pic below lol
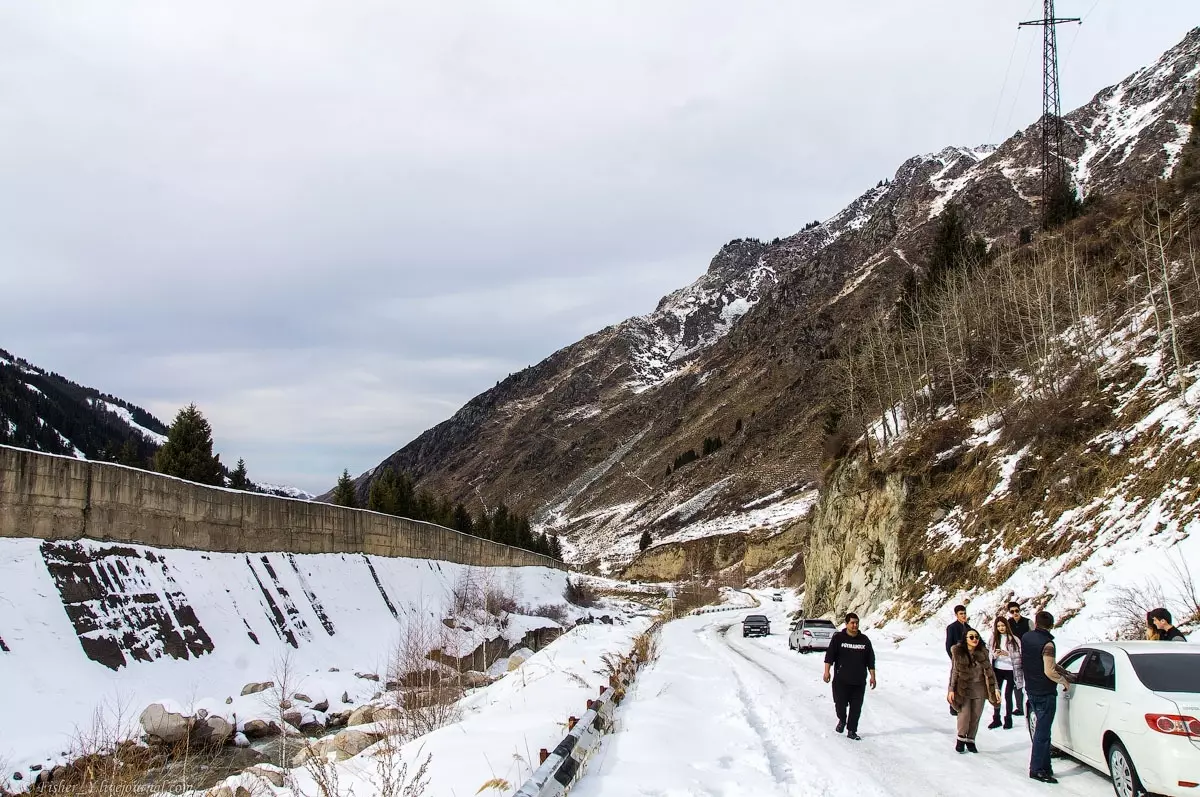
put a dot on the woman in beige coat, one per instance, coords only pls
(972, 681)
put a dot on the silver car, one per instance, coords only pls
(811, 634)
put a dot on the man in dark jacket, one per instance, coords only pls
(1043, 676)
(956, 632)
(1018, 626)
(853, 658)
(1162, 621)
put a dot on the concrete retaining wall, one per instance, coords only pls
(55, 498)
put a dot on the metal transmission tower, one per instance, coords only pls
(1054, 175)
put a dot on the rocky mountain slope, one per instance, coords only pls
(748, 357)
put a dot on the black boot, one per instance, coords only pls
(960, 746)
(1008, 722)
(971, 748)
(995, 723)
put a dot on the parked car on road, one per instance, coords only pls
(778, 596)
(811, 634)
(1133, 712)
(756, 625)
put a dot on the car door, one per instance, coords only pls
(1091, 699)
(1060, 734)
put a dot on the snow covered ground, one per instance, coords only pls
(342, 610)
(722, 716)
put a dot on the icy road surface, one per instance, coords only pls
(723, 716)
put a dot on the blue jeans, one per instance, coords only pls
(1042, 707)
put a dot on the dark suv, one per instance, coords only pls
(756, 625)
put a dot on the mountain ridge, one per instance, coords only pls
(584, 438)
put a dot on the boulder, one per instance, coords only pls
(211, 731)
(338, 719)
(473, 679)
(346, 697)
(322, 706)
(255, 688)
(293, 718)
(274, 776)
(342, 745)
(311, 727)
(164, 726)
(515, 661)
(370, 676)
(259, 729)
(363, 715)
(303, 698)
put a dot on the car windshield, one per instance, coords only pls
(756, 618)
(1168, 672)
(819, 624)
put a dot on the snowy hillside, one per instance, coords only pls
(89, 626)
(47, 412)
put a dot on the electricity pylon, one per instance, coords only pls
(1054, 171)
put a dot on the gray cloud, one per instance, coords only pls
(330, 225)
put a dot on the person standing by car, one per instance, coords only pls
(853, 658)
(1042, 678)
(954, 634)
(972, 680)
(1006, 661)
(1018, 626)
(1161, 618)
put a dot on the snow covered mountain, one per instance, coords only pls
(47, 412)
(44, 411)
(740, 367)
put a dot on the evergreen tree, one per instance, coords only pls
(644, 543)
(187, 454)
(483, 526)
(130, 456)
(343, 493)
(543, 544)
(462, 520)
(384, 494)
(1062, 205)
(238, 480)
(502, 530)
(555, 548)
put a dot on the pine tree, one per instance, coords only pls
(384, 493)
(187, 454)
(129, 455)
(238, 480)
(462, 520)
(555, 548)
(644, 543)
(543, 544)
(343, 493)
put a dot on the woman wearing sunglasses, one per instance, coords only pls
(972, 681)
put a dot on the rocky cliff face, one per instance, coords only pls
(588, 440)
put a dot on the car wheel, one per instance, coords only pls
(1124, 776)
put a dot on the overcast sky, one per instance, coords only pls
(330, 224)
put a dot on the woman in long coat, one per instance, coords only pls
(972, 681)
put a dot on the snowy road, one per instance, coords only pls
(723, 716)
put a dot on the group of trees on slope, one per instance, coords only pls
(394, 493)
(1040, 310)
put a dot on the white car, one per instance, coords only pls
(813, 634)
(1134, 712)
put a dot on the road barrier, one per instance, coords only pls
(562, 767)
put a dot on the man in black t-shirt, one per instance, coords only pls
(1162, 621)
(853, 659)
